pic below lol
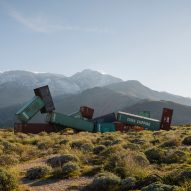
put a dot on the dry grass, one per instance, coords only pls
(120, 153)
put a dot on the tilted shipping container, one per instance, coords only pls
(67, 121)
(44, 93)
(105, 127)
(131, 119)
(108, 118)
(30, 109)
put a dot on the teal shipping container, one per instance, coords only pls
(145, 114)
(105, 127)
(30, 109)
(68, 121)
(76, 114)
(131, 119)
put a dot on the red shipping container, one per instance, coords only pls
(86, 112)
(119, 126)
(166, 119)
(34, 128)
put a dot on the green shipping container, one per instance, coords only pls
(145, 114)
(76, 114)
(105, 127)
(131, 119)
(68, 121)
(30, 109)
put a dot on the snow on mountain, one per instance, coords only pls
(59, 84)
(89, 79)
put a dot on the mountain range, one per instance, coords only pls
(105, 93)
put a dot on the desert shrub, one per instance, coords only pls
(143, 182)
(87, 147)
(178, 177)
(64, 141)
(131, 146)
(8, 147)
(170, 143)
(158, 187)
(175, 157)
(82, 145)
(128, 183)
(187, 141)
(98, 149)
(45, 144)
(121, 171)
(8, 159)
(59, 161)
(141, 159)
(38, 172)
(154, 155)
(92, 170)
(138, 141)
(105, 181)
(7, 181)
(106, 142)
(70, 169)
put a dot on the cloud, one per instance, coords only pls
(41, 25)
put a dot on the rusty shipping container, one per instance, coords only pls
(44, 93)
(86, 112)
(34, 128)
(120, 126)
(166, 119)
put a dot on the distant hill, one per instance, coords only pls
(181, 115)
(134, 88)
(103, 100)
(17, 86)
(104, 93)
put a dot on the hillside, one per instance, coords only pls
(141, 161)
(104, 93)
(136, 89)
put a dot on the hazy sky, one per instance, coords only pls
(145, 40)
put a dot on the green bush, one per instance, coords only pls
(8, 159)
(59, 161)
(105, 182)
(143, 182)
(187, 141)
(38, 172)
(158, 187)
(141, 159)
(7, 181)
(170, 143)
(70, 169)
(179, 176)
(128, 183)
(98, 149)
(154, 155)
(175, 157)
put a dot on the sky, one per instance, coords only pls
(145, 40)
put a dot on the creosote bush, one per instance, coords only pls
(7, 181)
(105, 181)
(38, 172)
(68, 170)
(187, 141)
(59, 161)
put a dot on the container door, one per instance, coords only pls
(166, 119)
